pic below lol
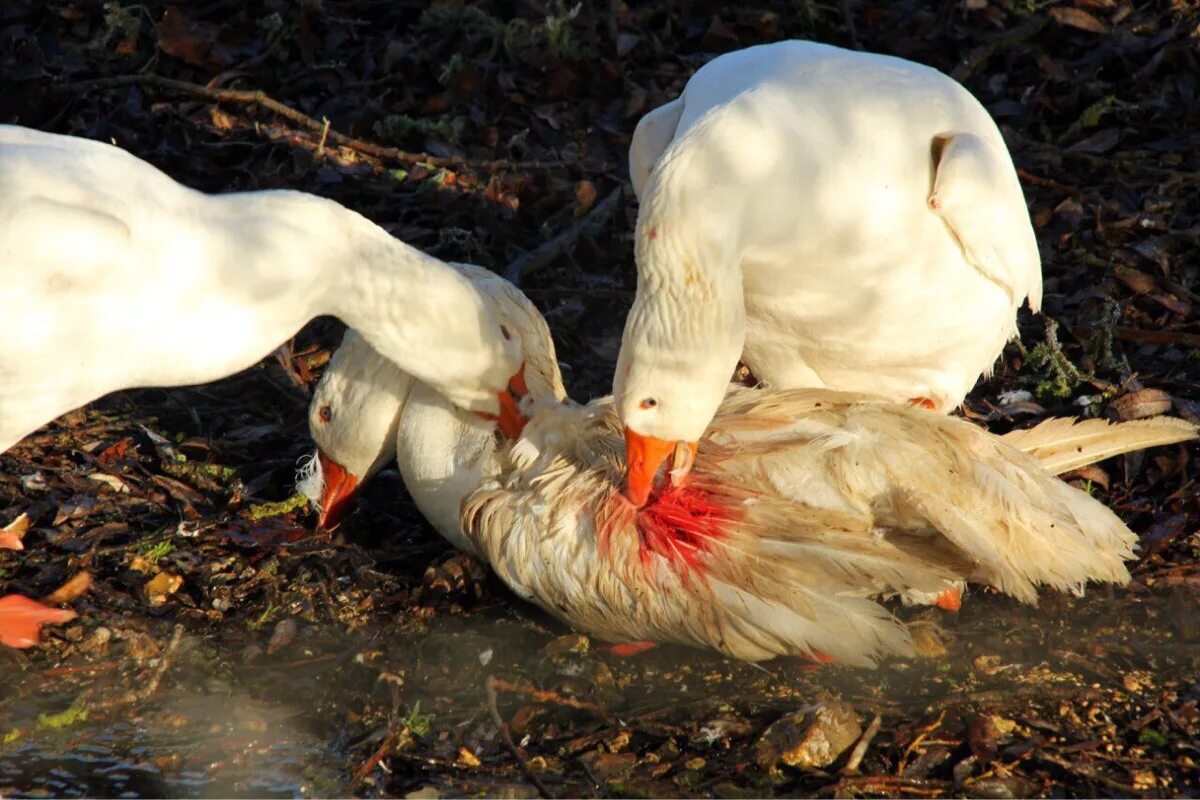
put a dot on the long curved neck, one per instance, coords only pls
(327, 259)
(294, 244)
(689, 293)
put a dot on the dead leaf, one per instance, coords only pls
(21, 620)
(162, 586)
(1090, 473)
(200, 43)
(1142, 404)
(1135, 279)
(585, 197)
(1078, 18)
(12, 533)
(70, 590)
(111, 481)
(1098, 143)
(221, 120)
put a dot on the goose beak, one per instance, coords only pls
(644, 455)
(341, 490)
(510, 420)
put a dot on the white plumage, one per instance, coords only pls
(116, 276)
(823, 502)
(835, 219)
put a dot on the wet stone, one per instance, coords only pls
(998, 787)
(604, 767)
(809, 739)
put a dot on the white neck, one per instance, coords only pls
(689, 270)
(412, 308)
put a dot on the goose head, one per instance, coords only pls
(666, 394)
(353, 417)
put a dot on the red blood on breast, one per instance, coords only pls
(683, 523)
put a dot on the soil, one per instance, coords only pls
(224, 648)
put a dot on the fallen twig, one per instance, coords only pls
(262, 100)
(548, 696)
(860, 749)
(1049, 183)
(369, 765)
(508, 740)
(543, 254)
(151, 687)
(887, 785)
(915, 743)
(1145, 337)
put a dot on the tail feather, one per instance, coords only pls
(1062, 444)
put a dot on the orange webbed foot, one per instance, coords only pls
(949, 600)
(627, 649)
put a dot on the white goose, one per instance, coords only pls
(355, 419)
(804, 506)
(835, 219)
(116, 276)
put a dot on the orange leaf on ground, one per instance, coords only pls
(21, 620)
(12, 533)
(69, 590)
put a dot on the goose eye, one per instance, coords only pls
(325, 413)
(507, 335)
(648, 403)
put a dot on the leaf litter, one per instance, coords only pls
(361, 661)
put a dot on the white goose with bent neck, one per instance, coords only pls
(835, 219)
(118, 277)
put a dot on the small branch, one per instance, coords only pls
(860, 749)
(1049, 183)
(545, 253)
(151, 688)
(547, 696)
(886, 785)
(369, 765)
(1176, 338)
(508, 740)
(915, 743)
(324, 137)
(262, 100)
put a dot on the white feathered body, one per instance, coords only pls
(814, 169)
(815, 503)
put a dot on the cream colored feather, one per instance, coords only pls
(1062, 444)
(827, 501)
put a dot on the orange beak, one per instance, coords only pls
(643, 457)
(510, 421)
(341, 489)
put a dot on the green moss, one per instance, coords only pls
(1062, 377)
(1153, 738)
(417, 723)
(1091, 116)
(78, 712)
(268, 614)
(12, 736)
(155, 549)
(261, 511)
(397, 128)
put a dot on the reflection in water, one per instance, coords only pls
(187, 745)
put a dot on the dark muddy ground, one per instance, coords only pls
(221, 649)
